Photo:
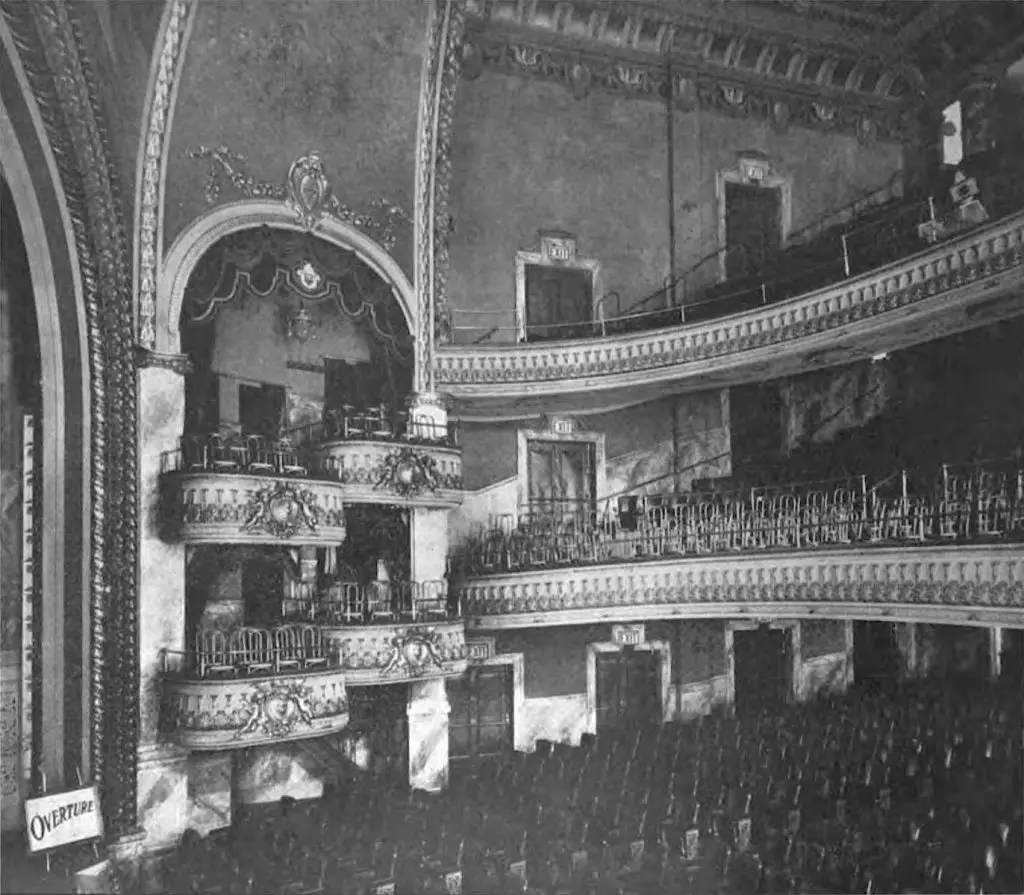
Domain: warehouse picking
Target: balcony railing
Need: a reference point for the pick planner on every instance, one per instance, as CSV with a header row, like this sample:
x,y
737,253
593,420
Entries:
x,y
251,652
376,603
965,503
839,246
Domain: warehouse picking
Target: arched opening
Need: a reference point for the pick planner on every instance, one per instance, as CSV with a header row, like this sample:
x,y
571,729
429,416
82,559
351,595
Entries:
x,y
20,467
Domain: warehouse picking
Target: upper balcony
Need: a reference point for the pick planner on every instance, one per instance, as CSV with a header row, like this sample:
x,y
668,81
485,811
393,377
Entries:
x,y
917,278
951,550
232,489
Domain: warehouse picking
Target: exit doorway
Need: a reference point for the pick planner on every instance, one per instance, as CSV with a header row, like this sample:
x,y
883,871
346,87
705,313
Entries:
x,y
480,721
627,690
763,668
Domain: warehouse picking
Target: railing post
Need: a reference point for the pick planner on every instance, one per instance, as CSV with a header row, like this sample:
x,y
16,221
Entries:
x,y
846,255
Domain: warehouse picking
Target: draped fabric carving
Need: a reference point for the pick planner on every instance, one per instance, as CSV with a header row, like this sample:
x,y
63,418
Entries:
x,y
268,262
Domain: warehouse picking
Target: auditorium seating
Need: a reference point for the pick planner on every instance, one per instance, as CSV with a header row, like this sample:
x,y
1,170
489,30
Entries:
x,y
913,791
960,503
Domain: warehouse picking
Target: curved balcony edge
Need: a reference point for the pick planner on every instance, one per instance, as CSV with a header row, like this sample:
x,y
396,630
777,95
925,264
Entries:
x,y
420,475
215,714
972,585
954,286
398,652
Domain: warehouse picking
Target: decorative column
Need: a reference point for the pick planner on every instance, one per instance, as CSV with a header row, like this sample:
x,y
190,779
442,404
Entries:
x,y
163,768
906,643
995,652
428,735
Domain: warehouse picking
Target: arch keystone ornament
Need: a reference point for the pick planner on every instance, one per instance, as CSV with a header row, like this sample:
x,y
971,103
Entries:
x,y
308,189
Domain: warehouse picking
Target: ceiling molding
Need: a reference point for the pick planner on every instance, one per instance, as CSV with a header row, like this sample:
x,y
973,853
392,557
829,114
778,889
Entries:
x,y
716,63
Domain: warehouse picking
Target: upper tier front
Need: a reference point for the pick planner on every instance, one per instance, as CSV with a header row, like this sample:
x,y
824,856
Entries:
x,y
966,282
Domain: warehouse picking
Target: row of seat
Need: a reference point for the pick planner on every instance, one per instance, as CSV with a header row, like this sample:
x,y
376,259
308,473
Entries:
x,y
251,650
961,505
917,791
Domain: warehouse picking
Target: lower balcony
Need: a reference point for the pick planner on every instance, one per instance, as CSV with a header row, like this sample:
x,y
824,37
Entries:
x,y
213,705
954,584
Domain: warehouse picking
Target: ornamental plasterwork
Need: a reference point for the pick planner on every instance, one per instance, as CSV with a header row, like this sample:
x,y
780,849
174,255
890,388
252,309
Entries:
x,y
414,652
306,189
409,473
629,46
176,20
282,511
583,73
277,707
962,580
997,248
388,653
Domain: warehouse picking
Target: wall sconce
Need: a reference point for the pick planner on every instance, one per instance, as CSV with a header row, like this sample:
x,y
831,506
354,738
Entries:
x,y
301,325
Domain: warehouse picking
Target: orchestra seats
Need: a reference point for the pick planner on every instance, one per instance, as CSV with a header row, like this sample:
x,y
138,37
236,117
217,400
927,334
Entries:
x,y
917,791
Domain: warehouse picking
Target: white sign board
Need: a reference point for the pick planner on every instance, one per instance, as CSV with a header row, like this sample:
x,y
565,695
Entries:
x,y
62,818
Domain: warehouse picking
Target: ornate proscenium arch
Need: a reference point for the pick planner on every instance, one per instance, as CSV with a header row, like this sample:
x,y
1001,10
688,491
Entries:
x,y
64,88
224,220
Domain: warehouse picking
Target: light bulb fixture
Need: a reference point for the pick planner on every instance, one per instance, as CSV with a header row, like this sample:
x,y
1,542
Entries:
x,y
301,325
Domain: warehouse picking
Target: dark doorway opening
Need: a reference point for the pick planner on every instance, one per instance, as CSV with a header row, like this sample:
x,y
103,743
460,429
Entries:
x,y
762,669
262,589
627,690
753,228
559,302
480,722
379,713
876,657
261,409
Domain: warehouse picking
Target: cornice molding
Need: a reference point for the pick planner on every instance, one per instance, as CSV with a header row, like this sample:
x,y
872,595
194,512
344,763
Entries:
x,y
964,585
723,67
940,282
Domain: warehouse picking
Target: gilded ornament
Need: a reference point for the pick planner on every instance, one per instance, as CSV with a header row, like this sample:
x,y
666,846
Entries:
x,y
413,652
408,473
277,708
281,511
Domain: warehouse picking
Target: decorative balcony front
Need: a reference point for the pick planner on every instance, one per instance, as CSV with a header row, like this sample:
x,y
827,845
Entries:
x,y
968,585
253,686
225,507
969,280
386,632
950,547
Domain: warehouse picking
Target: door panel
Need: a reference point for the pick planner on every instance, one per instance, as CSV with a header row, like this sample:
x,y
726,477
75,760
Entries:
x,y
627,690
480,720
753,230
761,663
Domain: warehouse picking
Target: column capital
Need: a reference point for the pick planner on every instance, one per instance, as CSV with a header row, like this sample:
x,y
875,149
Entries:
x,y
176,363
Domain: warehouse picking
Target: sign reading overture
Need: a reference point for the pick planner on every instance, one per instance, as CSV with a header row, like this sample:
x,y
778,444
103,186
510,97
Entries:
x,y
61,818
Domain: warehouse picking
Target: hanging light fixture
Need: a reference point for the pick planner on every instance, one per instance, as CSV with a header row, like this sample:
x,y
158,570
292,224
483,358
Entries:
x,y
301,325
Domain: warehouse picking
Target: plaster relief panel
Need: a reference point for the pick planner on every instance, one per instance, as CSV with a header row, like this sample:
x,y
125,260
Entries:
x,y
275,81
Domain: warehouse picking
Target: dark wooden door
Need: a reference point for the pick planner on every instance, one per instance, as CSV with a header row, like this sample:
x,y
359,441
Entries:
x,y
875,654
627,690
753,228
761,666
480,721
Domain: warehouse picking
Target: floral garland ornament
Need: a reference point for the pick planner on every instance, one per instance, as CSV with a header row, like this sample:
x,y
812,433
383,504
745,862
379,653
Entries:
x,y
281,511
306,190
277,707
408,473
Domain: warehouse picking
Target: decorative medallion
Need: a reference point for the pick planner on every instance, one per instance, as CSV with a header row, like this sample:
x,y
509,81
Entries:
x,y
309,278
276,708
282,511
580,79
413,652
308,189
408,473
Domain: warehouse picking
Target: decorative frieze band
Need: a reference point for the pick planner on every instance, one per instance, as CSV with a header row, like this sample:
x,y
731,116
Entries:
x,y
995,249
958,581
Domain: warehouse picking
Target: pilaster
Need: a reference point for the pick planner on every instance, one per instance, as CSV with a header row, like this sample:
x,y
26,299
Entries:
x,y
428,735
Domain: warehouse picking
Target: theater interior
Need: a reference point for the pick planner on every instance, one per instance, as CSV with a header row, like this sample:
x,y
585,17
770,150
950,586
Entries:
x,y
561,447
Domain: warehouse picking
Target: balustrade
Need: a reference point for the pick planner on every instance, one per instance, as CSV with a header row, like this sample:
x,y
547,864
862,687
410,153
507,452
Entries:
x,y
379,602
248,651
965,503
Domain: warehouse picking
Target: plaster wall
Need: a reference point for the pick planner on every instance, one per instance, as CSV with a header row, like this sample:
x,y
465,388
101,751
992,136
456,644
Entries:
x,y
251,345
526,155
275,81
645,445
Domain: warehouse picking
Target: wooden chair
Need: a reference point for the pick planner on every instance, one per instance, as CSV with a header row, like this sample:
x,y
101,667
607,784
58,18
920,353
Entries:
x,y
258,458
213,653
314,654
287,647
257,650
